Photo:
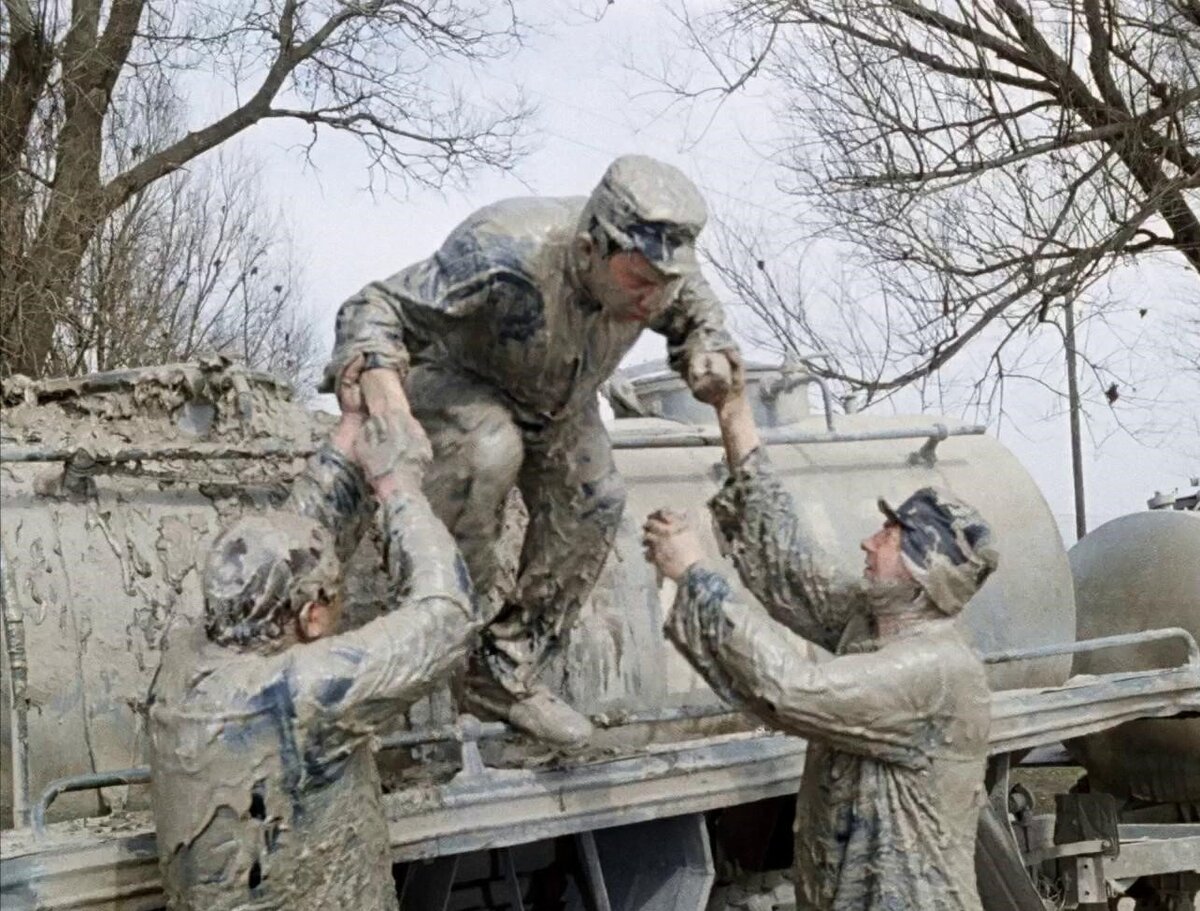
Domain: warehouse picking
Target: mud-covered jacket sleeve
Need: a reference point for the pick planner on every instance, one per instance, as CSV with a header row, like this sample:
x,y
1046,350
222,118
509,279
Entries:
x,y
358,679
332,490
877,704
370,323
778,558
693,324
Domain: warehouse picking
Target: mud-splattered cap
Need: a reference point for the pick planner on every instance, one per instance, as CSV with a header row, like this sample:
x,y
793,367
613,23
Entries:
x,y
946,545
649,206
261,571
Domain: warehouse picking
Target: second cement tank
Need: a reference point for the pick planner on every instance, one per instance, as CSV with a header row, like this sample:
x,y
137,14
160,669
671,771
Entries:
x,y
1141,572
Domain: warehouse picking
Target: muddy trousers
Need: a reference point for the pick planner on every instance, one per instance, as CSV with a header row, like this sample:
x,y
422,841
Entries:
x,y
572,492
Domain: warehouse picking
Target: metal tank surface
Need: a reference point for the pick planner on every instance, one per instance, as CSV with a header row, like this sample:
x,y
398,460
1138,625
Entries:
x,y
835,469
1140,572
114,484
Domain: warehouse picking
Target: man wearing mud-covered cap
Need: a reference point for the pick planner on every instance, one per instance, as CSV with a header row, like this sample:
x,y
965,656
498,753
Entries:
x,y
896,722
265,789
503,338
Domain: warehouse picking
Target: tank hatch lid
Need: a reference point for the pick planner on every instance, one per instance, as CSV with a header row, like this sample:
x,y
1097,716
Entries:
x,y
653,390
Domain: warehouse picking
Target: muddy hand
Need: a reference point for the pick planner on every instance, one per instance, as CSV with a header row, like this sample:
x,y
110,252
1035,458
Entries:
x,y
392,446
349,388
715,375
669,543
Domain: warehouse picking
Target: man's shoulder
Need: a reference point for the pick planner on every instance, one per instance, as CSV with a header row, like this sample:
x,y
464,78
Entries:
x,y
938,645
197,676
509,236
526,216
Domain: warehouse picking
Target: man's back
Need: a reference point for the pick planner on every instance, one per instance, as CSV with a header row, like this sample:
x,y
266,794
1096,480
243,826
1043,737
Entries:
x,y
497,299
263,800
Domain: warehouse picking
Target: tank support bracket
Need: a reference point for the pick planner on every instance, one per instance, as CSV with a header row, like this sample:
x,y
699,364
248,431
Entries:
x,y
927,454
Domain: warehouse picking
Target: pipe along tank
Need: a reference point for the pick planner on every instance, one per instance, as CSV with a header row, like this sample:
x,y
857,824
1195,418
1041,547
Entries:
x,y
113,486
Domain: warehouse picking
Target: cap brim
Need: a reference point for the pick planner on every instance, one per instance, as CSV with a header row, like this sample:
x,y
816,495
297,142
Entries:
x,y
886,508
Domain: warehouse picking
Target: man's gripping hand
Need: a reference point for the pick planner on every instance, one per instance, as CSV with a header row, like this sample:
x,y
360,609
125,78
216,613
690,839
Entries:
x,y
371,383
393,451
714,376
669,542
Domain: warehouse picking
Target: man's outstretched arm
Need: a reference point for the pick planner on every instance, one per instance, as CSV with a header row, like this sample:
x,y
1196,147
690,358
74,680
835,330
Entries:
x,y
775,551
370,674
332,489
876,704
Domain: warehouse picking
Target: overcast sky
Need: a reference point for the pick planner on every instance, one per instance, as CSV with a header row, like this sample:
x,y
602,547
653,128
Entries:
x,y
591,109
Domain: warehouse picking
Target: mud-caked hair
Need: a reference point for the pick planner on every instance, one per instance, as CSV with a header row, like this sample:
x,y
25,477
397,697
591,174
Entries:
x,y
260,573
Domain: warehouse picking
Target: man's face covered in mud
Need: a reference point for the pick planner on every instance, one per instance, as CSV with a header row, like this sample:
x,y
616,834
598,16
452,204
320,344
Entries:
x,y
629,287
637,237
884,562
271,581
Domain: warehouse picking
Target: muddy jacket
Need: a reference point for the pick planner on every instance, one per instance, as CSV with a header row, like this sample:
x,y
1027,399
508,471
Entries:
x,y
266,793
502,301
893,781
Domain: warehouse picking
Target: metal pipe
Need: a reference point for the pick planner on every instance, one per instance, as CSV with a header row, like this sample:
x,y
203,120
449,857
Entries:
x,y
706,437
198,452
193,452
18,677
137,775
658,716
1094,645
447,733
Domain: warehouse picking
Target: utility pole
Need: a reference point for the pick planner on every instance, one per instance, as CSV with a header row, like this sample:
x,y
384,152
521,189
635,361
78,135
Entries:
x,y
1073,408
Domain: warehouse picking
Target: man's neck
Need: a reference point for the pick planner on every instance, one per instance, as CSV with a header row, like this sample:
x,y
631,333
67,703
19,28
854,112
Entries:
x,y
899,609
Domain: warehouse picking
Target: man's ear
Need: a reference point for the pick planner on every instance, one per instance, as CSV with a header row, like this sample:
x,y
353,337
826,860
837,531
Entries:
x,y
309,622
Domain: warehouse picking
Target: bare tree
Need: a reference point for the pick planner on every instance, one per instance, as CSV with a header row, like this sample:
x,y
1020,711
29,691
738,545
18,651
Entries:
x,y
197,263
376,71
987,162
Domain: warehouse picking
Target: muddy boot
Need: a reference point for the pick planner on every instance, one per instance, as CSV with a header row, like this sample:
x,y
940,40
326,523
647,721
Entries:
x,y
531,708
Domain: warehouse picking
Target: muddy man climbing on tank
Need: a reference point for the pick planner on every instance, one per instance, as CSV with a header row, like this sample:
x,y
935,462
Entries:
x,y
502,339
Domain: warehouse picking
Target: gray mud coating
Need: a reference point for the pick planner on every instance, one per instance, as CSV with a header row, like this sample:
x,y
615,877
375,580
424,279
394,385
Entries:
x,y
897,728
266,793
510,330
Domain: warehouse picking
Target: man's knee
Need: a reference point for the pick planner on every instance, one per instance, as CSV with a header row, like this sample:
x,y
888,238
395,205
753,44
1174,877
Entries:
x,y
473,434
494,448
